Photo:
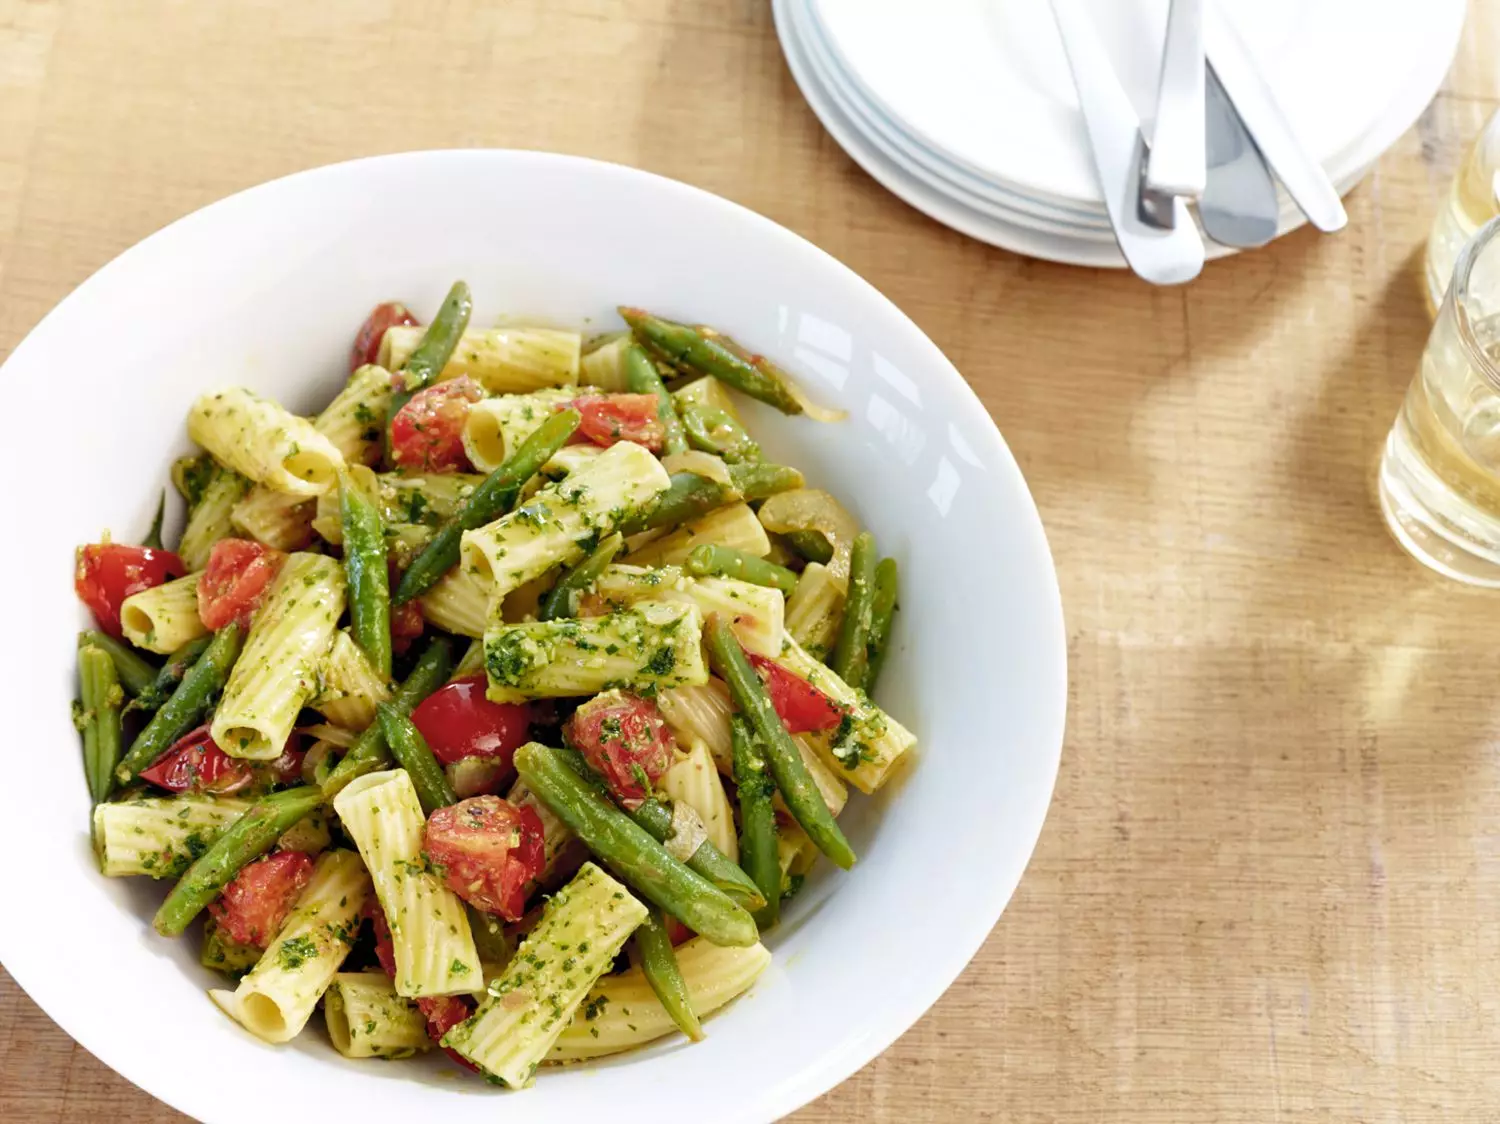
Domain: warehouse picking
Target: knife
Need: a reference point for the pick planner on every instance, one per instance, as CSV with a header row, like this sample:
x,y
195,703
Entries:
x,y
1239,205
1163,256
1176,166
1267,123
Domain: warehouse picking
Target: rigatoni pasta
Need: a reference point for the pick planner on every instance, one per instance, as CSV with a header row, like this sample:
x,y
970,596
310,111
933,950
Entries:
x,y
164,617
502,360
260,440
278,671
278,996
690,723
433,946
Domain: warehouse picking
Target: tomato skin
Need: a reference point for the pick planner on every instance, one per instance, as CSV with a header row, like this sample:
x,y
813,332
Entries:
x,y
104,574
608,418
677,932
458,722
382,317
235,581
489,849
195,763
803,708
620,733
258,898
427,434
407,625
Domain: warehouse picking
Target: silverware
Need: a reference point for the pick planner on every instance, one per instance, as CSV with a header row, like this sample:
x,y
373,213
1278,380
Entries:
x,y
1239,205
1161,256
1176,164
1267,124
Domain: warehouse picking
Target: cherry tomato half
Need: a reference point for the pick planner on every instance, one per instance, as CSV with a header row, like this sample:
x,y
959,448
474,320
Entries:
x,y
256,902
625,739
367,343
803,708
458,722
488,849
195,763
427,434
235,580
105,574
608,418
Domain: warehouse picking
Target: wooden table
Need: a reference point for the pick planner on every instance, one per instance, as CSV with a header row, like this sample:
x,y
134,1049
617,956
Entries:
x,y
1268,886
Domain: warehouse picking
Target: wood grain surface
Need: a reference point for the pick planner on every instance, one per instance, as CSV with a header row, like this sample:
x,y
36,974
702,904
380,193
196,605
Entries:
x,y
1268,886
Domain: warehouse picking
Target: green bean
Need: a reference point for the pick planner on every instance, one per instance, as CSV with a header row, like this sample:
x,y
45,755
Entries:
x,y
757,819
657,818
490,500
369,751
136,672
708,560
882,612
788,769
631,852
190,702
98,717
160,689
153,536
716,431
691,495
560,601
641,377
494,944
368,578
760,481
851,655
435,348
412,753
659,966
812,545
247,839
707,352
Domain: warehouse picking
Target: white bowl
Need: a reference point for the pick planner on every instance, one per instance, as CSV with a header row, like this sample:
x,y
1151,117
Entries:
x,y
266,289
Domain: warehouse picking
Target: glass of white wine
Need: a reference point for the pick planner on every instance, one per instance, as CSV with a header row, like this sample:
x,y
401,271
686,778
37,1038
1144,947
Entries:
x,y
1440,473
1472,201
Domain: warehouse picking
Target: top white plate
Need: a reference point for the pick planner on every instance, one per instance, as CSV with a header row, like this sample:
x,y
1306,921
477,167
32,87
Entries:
x,y
987,84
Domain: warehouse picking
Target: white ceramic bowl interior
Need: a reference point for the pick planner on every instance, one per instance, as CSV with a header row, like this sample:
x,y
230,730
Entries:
x,y
266,289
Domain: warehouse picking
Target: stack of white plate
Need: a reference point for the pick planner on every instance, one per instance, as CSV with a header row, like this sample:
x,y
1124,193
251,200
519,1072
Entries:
x,y
966,108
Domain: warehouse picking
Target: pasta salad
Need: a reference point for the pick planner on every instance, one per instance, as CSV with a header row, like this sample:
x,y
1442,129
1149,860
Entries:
x,y
498,707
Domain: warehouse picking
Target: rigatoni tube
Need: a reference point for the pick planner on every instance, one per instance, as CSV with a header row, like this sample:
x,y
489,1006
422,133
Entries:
x,y
502,360
565,520
734,526
582,928
261,440
278,671
649,646
621,1012
163,618
495,427
367,1019
756,613
430,935
278,996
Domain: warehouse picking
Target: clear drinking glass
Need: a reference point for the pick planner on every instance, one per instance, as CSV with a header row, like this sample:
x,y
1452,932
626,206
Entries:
x,y
1472,201
1440,473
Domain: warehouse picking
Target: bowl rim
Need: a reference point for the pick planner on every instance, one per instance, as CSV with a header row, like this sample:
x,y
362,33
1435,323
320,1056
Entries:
x,y
944,963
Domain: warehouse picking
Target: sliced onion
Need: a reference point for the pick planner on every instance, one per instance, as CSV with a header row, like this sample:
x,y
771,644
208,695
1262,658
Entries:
x,y
324,731
809,407
812,509
705,465
688,833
